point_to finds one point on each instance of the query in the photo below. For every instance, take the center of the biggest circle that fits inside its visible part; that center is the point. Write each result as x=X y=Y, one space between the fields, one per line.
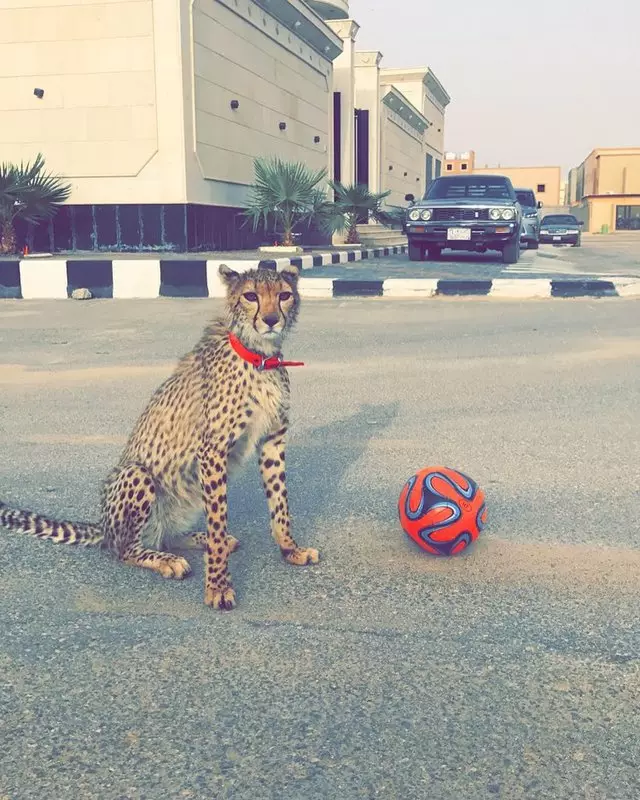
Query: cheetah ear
x=229 y=276
x=290 y=274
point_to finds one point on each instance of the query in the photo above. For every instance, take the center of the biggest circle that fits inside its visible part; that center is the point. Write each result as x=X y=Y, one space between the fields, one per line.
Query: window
x=628 y=218
x=471 y=186
x=463 y=167
x=449 y=167
x=542 y=187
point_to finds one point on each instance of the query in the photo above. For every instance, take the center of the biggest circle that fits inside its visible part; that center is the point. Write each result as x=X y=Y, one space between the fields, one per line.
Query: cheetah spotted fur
x=204 y=421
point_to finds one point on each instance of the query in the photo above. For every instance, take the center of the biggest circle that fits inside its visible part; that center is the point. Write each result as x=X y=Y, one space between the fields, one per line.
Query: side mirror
x=409 y=198
x=539 y=203
x=580 y=222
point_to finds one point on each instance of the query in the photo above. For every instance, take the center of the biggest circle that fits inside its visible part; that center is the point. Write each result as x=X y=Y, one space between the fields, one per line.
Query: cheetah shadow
x=318 y=464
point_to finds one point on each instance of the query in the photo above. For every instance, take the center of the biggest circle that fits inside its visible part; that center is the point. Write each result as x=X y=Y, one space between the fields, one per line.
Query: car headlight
x=494 y=213
x=508 y=213
x=414 y=215
x=426 y=214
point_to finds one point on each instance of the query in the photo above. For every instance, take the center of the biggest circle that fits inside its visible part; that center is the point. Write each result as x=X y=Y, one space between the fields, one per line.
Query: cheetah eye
x=250 y=296
x=285 y=296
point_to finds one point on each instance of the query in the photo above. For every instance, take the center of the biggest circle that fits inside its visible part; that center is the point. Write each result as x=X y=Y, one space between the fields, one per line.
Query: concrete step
x=379 y=236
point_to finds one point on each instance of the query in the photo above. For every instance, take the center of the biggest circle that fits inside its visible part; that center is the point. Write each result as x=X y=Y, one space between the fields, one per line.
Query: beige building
x=604 y=191
x=459 y=163
x=545 y=182
x=155 y=109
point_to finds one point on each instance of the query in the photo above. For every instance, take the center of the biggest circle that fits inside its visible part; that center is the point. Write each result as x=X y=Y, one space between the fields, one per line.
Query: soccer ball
x=442 y=510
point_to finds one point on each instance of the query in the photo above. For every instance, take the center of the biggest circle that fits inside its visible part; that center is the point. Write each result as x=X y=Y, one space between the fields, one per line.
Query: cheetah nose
x=270 y=319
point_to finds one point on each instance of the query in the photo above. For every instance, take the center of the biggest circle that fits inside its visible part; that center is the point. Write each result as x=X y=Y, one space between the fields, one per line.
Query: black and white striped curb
x=54 y=278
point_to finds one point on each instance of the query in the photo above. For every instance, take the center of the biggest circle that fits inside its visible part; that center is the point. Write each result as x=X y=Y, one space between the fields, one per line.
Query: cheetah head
x=262 y=304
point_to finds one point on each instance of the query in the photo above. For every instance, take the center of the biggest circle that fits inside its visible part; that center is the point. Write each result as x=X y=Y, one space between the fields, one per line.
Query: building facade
x=154 y=111
x=546 y=182
x=604 y=190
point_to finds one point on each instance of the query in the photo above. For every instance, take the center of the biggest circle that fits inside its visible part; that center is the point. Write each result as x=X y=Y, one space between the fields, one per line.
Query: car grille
x=463 y=214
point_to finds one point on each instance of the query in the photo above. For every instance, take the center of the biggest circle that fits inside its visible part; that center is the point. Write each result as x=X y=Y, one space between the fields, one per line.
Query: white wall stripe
x=307 y=262
x=628 y=289
x=139 y=278
x=43 y=278
x=409 y=287
x=315 y=287
x=520 y=287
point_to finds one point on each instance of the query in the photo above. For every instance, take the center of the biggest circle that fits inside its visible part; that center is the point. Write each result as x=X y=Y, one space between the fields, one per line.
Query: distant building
x=546 y=182
x=605 y=189
x=459 y=163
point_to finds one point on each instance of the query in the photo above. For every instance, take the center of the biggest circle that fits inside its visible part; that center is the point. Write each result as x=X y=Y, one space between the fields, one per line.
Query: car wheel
x=416 y=252
x=533 y=245
x=511 y=252
x=577 y=244
x=433 y=253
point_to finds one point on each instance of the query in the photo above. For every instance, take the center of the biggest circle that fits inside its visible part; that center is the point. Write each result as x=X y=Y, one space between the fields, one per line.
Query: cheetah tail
x=84 y=533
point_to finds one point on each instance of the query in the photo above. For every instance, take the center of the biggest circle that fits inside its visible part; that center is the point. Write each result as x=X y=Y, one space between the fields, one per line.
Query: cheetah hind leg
x=131 y=503
x=198 y=541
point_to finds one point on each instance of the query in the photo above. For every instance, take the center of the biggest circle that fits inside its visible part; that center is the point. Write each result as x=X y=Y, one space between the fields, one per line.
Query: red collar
x=259 y=361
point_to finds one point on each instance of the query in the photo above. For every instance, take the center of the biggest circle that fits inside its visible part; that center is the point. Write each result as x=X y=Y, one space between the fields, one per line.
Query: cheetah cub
x=226 y=399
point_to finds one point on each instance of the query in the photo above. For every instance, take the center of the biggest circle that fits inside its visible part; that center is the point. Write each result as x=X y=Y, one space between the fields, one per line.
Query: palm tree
x=354 y=202
x=28 y=193
x=284 y=194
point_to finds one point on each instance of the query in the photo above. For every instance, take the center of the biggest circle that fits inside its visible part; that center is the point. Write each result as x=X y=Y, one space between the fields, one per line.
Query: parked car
x=561 y=229
x=530 y=233
x=465 y=212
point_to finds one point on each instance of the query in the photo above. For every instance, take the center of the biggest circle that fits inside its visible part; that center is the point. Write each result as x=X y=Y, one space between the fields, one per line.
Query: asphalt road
x=512 y=671
x=600 y=257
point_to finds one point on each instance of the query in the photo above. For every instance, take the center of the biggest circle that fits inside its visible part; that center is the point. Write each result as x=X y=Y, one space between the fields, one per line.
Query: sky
x=537 y=83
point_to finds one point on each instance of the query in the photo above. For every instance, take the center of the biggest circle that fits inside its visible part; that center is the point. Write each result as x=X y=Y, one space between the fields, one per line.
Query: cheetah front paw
x=222 y=598
x=175 y=567
x=301 y=556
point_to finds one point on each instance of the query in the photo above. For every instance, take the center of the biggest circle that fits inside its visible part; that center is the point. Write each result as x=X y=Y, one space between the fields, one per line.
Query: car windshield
x=471 y=186
x=559 y=219
x=526 y=198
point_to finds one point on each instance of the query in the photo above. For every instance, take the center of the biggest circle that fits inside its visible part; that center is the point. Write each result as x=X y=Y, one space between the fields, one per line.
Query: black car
x=561 y=229
x=465 y=212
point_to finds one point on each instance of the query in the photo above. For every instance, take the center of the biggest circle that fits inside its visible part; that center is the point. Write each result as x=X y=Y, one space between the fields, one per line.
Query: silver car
x=530 y=232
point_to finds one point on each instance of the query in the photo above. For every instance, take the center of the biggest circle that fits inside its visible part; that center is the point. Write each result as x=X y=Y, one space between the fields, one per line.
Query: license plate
x=459 y=234
x=557 y=238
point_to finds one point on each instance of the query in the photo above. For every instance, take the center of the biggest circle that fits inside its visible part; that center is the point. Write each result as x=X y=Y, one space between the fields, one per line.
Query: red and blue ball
x=442 y=510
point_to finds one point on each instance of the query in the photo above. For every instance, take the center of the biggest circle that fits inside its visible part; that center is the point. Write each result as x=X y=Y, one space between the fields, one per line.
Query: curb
x=53 y=278
x=57 y=279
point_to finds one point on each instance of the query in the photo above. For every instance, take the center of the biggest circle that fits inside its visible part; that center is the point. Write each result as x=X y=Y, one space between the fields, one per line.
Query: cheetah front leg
x=218 y=592
x=272 y=469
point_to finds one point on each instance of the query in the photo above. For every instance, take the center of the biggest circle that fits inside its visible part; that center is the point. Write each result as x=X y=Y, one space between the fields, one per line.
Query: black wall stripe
x=317 y=261
x=574 y=288
x=97 y=276
x=183 y=279
x=451 y=287
x=10 y=279
x=346 y=288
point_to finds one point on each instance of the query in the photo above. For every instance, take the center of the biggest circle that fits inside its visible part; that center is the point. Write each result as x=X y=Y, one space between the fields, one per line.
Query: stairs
x=379 y=236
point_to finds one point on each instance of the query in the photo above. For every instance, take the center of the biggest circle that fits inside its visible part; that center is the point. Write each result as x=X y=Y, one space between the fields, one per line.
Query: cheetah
x=227 y=399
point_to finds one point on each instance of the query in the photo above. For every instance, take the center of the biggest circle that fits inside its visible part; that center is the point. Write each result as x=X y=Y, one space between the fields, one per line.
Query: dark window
x=449 y=167
x=438 y=171
x=526 y=198
x=542 y=187
x=627 y=218
x=463 y=167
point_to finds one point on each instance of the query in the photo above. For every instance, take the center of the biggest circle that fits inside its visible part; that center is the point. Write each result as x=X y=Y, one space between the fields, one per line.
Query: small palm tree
x=28 y=193
x=355 y=202
x=284 y=194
